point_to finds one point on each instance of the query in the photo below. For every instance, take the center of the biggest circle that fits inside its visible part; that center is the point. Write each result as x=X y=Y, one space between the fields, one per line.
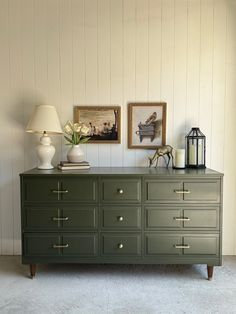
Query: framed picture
x=146 y=125
x=103 y=122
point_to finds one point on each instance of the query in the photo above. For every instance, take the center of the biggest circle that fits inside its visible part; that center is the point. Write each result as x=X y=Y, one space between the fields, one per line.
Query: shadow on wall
x=20 y=146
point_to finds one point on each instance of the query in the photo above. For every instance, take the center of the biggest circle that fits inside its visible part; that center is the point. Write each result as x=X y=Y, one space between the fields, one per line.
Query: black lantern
x=195 y=149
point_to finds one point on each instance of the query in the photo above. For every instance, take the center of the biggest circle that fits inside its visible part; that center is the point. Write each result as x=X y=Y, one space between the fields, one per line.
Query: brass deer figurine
x=161 y=152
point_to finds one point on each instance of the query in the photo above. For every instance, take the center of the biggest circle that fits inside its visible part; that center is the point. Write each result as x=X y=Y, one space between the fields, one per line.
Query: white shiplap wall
x=89 y=52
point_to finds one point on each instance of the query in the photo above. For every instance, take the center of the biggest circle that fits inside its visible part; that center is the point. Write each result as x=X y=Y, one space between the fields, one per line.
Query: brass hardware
x=60 y=218
x=185 y=246
x=60 y=191
x=120 y=246
x=181 y=218
x=120 y=218
x=120 y=191
x=55 y=246
x=182 y=191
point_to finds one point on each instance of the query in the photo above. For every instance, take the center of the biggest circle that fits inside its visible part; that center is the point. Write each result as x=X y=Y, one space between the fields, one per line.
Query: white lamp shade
x=44 y=119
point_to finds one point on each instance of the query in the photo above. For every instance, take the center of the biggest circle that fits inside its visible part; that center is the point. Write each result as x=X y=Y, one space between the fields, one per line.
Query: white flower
x=67 y=129
x=84 y=130
x=75 y=133
x=77 y=127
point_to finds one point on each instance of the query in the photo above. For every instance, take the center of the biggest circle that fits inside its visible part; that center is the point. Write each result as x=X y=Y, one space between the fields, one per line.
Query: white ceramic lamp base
x=45 y=152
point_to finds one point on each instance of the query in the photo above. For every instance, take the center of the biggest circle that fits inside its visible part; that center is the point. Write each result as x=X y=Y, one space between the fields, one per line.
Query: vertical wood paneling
x=117 y=69
x=167 y=64
x=229 y=219
x=53 y=68
x=30 y=96
x=128 y=75
x=193 y=62
x=141 y=65
x=91 y=66
x=78 y=55
x=154 y=49
x=65 y=55
x=15 y=112
x=206 y=67
x=6 y=157
x=180 y=73
x=104 y=69
x=218 y=123
x=112 y=52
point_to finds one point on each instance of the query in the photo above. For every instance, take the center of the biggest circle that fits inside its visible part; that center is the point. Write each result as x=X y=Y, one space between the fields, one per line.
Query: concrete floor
x=116 y=289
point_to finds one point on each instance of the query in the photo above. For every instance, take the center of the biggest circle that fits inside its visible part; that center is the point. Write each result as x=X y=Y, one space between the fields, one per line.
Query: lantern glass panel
x=195 y=145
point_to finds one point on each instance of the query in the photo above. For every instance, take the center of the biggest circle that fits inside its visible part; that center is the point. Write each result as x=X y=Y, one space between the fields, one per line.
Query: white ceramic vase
x=75 y=154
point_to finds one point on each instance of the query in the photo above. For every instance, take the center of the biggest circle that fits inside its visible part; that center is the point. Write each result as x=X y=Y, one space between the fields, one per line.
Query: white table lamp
x=45 y=120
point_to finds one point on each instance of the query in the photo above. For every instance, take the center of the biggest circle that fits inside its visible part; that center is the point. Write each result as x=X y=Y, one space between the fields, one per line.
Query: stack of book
x=66 y=165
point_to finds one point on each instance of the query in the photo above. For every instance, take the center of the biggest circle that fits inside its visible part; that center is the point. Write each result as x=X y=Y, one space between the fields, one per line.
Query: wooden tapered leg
x=210 y=272
x=32 y=270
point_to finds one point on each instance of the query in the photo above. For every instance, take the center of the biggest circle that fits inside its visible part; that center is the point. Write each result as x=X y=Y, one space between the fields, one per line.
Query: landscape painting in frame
x=146 y=125
x=103 y=122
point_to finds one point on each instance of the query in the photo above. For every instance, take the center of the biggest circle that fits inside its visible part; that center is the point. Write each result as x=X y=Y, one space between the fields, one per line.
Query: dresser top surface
x=138 y=171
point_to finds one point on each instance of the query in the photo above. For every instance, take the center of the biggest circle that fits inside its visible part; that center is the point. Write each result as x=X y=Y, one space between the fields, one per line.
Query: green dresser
x=122 y=215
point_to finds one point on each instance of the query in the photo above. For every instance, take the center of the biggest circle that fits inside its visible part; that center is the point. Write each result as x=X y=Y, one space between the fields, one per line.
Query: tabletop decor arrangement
x=75 y=134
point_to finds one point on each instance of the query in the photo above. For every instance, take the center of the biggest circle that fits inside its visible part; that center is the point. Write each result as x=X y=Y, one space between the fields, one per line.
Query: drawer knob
x=181 y=218
x=120 y=246
x=60 y=218
x=120 y=218
x=120 y=191
x=185 y=246
x=63 y=246
x=182 y=191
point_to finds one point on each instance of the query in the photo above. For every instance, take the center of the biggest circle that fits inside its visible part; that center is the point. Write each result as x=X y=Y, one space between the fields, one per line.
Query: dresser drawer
x=61 y=189
x=176 y=218
x=202 y=191
x=174 y=244
x=53 y=218
x=60 y=244
x=121 y=244
x=171 y=191
x=162 y=190
x=121 y=190
x=121 y=217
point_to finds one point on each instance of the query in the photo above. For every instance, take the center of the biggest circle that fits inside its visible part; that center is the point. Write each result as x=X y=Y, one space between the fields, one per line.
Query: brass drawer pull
x=55 y=246
x=120 y=191
x=120 y=218
x=60 y=218
x=182 y=191
x=60 y=191
x=185 y=246
x=181 y=218
x=120 y=246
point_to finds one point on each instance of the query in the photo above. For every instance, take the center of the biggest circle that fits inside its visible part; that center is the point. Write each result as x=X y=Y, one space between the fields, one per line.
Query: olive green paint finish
x=160 y=217
x=60 y=244
x=51 y=189
x=202 y=191
x=166 y=244
x=40 y=190
x=82 y=222
x=122 y=190
x=61 y=217
x=121 y=244
x=121 y=217
x=84 y=189
x=162 y=244
x=162 y=190
x=207 y=217
x=40 y=244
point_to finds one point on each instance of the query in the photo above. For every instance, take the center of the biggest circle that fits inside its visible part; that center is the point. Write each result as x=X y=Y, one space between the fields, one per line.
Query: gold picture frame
x=146 y=125
x=104 y=123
